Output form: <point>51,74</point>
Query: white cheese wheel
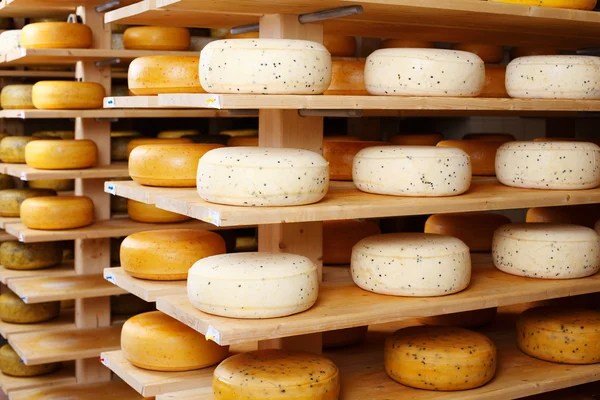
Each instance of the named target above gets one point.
<point>265,66</point>
<point>253,285</point>
<point>262,176</point>
<point>547,251</point>
<point>10,41</point>
<point>412,171</point>
<point>554,77</point>
<point>549,165</point>
<point>411,264</point>
<point>424,72</point>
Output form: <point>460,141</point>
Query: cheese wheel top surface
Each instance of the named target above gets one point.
<point>56,35</point>
<point>395,152</point>
<point>550,146</point>
<point>545,232</point>
<point>264,157</point>
<point>557,60</point>
<point>564,320</point>
<point>450,56</point>
<point>411,245</point>
<point>267,44</point>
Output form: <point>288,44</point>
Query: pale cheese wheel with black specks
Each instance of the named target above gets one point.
<point>10,41</point>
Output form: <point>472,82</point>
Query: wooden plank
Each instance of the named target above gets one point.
<point>131,102</point>
<point>5,73</point>
<point>117,113</point>
<point>8,220</point>
<point>65,321</point>
<point>27,173</point>
<point>97,391</point>
<point>144,289</point>
<point>64,376</point>
<point>145,194</point>
<point>38,290</point>
<point>45,9</point>
<point>65,269</point>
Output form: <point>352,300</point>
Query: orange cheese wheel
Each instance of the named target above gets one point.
<point>11,199</point>
<point>246,35</point>
<point>347,78</point>
<point>148,76</point>
<point>572,4</point>
<point>340,45</point>
<point>340,236</point>
<point>340,156</point>
<point>242,141</point>
<point>177,134</point>
<point>344,337</point>
<point>167,255</point>
<point>517,52</point>
<point>501,137</point>
<point>489,53</point>
<point>466,319</point>
<point>494,82</point>
<point>56,35</point>
<point>406,43</point>
<point>482,153</point>
<point>167,165</point>
<point>147,141</point>
<point>16,97</point>
<point>61,154</point>
<point>57,213</point>
<point>149,213</point>
<point>156,38</point>
<point>585,215</point>
<point>475,229</point>
<point>416,139</point>
<point>60,95</point>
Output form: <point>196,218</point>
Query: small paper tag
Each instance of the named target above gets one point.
<point>110,278</point>
<point>213,334</point>
<point>109,102</point>
<point>213,101</point>
<point>112,189</point>
<point>23,176</point>
<point>105,361</point>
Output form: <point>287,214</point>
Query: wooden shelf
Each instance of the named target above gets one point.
<point>145,194</point>
<point>27,173</point>
<point>65,269</point>
<point>65,321</point>
<point>64,376</point>
<point>5,73</point>
<point>144,289</point>
<point>8,220</point>
<point>118,113</point>
<point>41,289</point>
<point>97,391</point>
<point>45,9</point>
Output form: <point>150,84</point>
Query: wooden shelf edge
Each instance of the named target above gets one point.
<point>146,290</point>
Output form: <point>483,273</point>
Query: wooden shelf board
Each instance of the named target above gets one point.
<point>45,9</point>
<point>4,237</point>
<point>144,289</point>
<point>145,194</point>
<point>41,289</point>
<point>27,173</point>
<point>65,269</point>
<point>64,376</point>
<point>6,73</point>
<point>8,220</point>
<point>96,391</point>
<point>117,113</point>
<point>65,321</point>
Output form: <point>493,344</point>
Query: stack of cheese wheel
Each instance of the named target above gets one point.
<point>149,213</point>
<point>572,4</point>
<point>340,236</point>
<point>57,213</point>
<point>148,76</point>
<point>252,176</point>
<point>411,264</point>
<point>416,139</point>
<point>11,199</point>
<point>347,78</point>
<point>129,304</point>
<point>56,35</point>
<point>560,335</point>
<point>585,215</point>
<point>59,185</point>
<point>527,51</point>
<point>272,66</point>
<point>10,41</point>
<point>167,165</point>
<point>424,72</point>
<point>68,135</point>
<point>407,43</point>
<point>546,251</point>
<point>156,38</point>
<point>276,374</point>
<point>253,285</point>
<point>440,358</point>
<point>30,256</point>
<point>12,365</point>
<point>481,152</point>
<point>12,148</point>
<point>145,141</point>
<point>497,137</point>
<point>167,255</point>
<point>61,154</point>
<point>340,156</point>
<point>59,95</point>
<point>119,141</point>
<point>465,319</point>
<point>177,134</point>
<point>475,229</point>
<point>158,342</point>
<point>412,171</point>
<point>492,56</point>
<point>16,97</point>
<point>14,311</point>
<point>549,165</point>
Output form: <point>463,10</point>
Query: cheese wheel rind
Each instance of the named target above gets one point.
<point>147,141</point>
<point>58,95</point>
<point>16,97</point>
<point>57,213</point>
<point>152,75</point>
<point>149,213</point>
<point>56,35</point>
<point>13,310</point>
<point>11,199</point>
<point>11,364</point>
<point>340,236</point>
<point>61,154</point>
<point>157,38</point>
<point>495,82</point>
<point>29,256</point>
<point>347,78</point>
<point>12,148</point>
<point>340,156</point>
<point>583,214</point>
<point>340,45</point>
<point>481,152</point>
<point>572,4</point>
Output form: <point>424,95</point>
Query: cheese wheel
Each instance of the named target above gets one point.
<point>406,43</point>
<point>168,254</point>
<point>11,364</point>
<point>340,236</point>
<point>573,4</point>
<point>412,171</point>
<point>270,66</point>
<point>10,41</point>
<point>475,229</point>
<point>243,141</point>
<point>57,213</point>
<point>565,139</point>
<point>57,95</point>
<point>176,134</point>
<point>424,72</point>
<point>489,53</point>
<point>340,156</point>
<point>440,358</point>
<point>416,139</point>
<point>13,310</point>
<point>12,148</point>
<point>502,137</point>
<point>344,337</point>
<point>61,154</point>
<point>411,264</point>
<point>253,285</point>
<point>117,41</point>
<point>276,375</point>
<point>546,251</point>
<point>551,165</point>
<point>154,75</point>
<point>30,256</point>
<point>495,77</point>
<point>157,342</point>
<point>6,182</point>
<point>156,38</point>
<point>262,176</point>
<point>556,77</point>
<point>481,152</point>
<point>240,133</point>
<point>16,97</point>
<point>56,35</point>
<point>466,319</point>
<point>167,165</point>
<point>340,45</point>
<point>11,199</point>
<point>347,78</point>
<point>68,135</point>
<point>585,215</point>
<point>149,213</point>
<point>245,35</point>
<point>151,141</point>
<point>517,52</point>
<point>560,335</point>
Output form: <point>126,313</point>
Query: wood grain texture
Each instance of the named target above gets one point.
<point>64,376</point>
<point>64,321</point>
<point>115,113</point>
<point>144,289</point>
<point>27,173</point>
<point>145,194</point>
<point>98,391</point>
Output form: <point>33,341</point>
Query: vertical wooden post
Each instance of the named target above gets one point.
<point>285,128</point>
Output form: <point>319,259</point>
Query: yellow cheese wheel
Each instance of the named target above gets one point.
<point>243,141</point>
<point>56,35</point>
<point>128,304</point>
<point>118,134</point>
<point>56,213</point>
<point>149,213</point>
<point>340,156</point>
<point>482,153</point>
<point>347,78</point>
<point>416,139</point>
<point>11,199</point>
<point>586,215</point>
<point>61,154</point>
<point>176,134</point>
<point>560,334</point>
<point>406,43</point>
<point>59,185</point>
<point>475,229</point>
<point>167,165</point>
<point>167,255</point>
<point>466,319</point>
<point>246,35</point>
<point>276,375</point>
<point>12,148</point>
<point>16,97</point>
<point>440,358</point>
<point>494,86</point>
<point>15,311</point>
<point>158,342</point>
<point>340,236</point>
<point>11,364</point>
<point>55,134</point>
<point>344,337</point>
<point>501,137</point>
<point>246,244</point>
<point>146,141</point>
<point>59,95</point>
<point>572,4</point>
<point>154,75</point>
<point>489,53</point>
<point>29,256</point>
<point>240,133</point>
<point>517,52</point>
<point>340,45</point>
<point>6,182</point>
<point>156,38</point>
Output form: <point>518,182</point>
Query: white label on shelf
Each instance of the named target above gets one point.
<point>112,189</point>
<point>105,361</point>
<point>24,298</point>
<point>213,218</point>
<point>213,101</point>
<point>111,279</point>
<point>23,176</point>
<point>21,238</point>
<point>213,334</point>
<point>109,102</point>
